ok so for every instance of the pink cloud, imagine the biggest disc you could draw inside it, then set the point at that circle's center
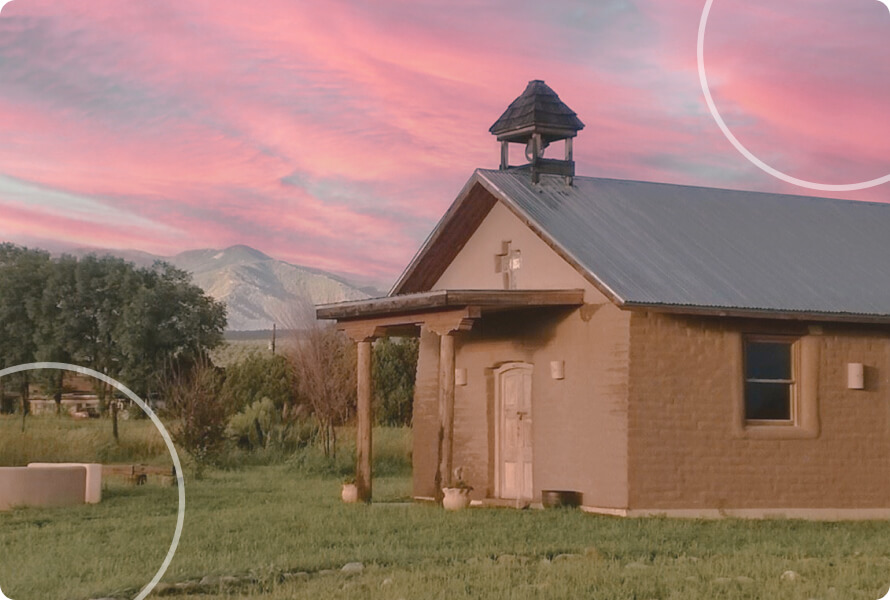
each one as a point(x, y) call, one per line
point(335, 134)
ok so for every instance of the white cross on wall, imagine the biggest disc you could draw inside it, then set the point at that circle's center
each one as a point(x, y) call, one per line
point(508, 262)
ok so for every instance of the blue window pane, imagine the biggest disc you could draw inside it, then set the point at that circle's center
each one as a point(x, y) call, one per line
point(767, 360)
point(768, 401)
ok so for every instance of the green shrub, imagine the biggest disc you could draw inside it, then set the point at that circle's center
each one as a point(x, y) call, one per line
point(395, 366)
point(258, 377)
point(391, 455)
point(250, 427)
point(262, 425)
point(192, 396)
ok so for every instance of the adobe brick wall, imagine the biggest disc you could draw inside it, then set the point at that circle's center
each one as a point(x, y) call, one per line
point(686, 447)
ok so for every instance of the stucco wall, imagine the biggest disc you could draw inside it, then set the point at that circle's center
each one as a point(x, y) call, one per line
point(425, 423)
point(688, 448)
point(579, 423)
point(57, 486)
point(474, 268)
point(93, 494)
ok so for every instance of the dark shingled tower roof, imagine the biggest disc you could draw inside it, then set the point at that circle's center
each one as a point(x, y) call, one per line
point(538, 107)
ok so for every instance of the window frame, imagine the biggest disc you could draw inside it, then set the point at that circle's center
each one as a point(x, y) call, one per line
point(793, 383)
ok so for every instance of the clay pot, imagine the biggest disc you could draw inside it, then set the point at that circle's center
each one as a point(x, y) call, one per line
point(455, 498)
point(349, 493)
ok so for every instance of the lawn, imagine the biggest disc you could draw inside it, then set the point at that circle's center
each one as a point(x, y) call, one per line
point(283, 534)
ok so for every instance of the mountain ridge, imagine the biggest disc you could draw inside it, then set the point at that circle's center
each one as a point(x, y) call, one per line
point(258, 290)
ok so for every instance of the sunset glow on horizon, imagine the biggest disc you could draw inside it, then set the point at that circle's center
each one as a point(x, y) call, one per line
point(335, 134)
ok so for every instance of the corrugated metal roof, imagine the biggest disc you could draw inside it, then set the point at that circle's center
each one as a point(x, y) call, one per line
point(682, 246)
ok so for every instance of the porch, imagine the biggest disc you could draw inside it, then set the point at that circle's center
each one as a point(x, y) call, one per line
point(445, 313)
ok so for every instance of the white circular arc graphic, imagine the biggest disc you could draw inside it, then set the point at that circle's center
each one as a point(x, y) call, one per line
point(825, 187)
point(180, 518)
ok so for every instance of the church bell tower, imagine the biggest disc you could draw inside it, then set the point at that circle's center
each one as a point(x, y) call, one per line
point(538, 118)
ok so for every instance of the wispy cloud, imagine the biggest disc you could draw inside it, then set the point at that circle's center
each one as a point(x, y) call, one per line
point(336, 133)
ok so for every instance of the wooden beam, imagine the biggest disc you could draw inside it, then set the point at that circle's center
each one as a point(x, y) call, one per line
point(363, 422)
point(440, 321)
point(399, 306)
point(445, 323)
point(447, 239)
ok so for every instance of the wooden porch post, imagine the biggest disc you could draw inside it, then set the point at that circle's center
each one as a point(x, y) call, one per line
point(445, 324)
point(363, 421)
point(446, 406)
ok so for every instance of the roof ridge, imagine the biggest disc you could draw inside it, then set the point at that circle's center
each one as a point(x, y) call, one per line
point(512, 171)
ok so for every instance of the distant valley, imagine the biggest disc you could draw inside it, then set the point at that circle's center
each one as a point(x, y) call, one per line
point(258, 290)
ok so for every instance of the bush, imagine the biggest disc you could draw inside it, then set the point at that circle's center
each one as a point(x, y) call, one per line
point(395, 368)
point(251, 427)
point(258, 377)
point(192, 396)
point(262, 425)
point(324, 366)
point(391, 455)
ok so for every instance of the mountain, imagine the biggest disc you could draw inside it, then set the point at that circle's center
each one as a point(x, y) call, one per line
point(258, 290)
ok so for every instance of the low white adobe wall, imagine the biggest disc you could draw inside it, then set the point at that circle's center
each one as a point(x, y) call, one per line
point(52, 487)
point(93, 493)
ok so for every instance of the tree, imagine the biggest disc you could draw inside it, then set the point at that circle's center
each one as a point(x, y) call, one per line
point(55, 334)
point(395, 367)
point(167, 317)
point(22, 276)
point(104, 285)
point(102, 313)
point(324, 366)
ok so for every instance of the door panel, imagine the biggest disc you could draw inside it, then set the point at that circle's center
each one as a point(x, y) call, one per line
point(514, 459)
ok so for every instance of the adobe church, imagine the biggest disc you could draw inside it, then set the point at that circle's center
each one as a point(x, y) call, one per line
point(661, 349)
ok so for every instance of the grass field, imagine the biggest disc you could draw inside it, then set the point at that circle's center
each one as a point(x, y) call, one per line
point(283, 533)
point(48, 438)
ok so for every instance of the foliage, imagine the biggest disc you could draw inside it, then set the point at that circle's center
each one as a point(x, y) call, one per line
point(165, 317)
point(324, 367)
point(103, 313)
point(23, 275)
point(192, 396)
point(391, 455)
point(251, 427)
point(395, 367)
point(257, 377)
point(262, 425)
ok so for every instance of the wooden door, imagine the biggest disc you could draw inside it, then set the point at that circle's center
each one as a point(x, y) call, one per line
point(514, 431)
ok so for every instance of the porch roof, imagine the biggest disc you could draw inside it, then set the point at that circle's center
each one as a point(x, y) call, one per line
point(440, 310)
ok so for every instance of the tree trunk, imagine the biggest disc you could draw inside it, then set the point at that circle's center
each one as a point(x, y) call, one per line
point(261, 439)
point(114, 420)
point(26, 400)
point(58, 394)
point(102, 405)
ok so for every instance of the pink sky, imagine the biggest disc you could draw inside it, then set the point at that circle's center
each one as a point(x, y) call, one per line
point(335, 134)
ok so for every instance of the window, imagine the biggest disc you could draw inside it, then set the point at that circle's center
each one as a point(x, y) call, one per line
point(770, 388)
